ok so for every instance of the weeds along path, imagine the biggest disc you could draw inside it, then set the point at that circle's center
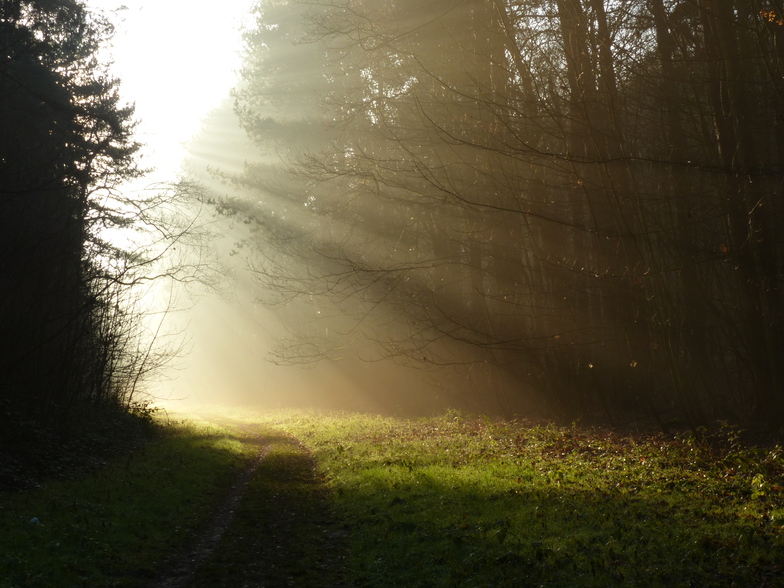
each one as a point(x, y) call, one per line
point(273, 528)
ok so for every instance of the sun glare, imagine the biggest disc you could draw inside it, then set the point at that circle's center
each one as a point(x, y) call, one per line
point(177, 60)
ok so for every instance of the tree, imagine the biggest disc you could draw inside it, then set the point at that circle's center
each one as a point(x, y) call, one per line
point(70, 340)
point(577, 192)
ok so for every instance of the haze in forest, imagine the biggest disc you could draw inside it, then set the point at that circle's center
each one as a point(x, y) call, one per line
point(552, 207)
point(560, 207)
point(231, 336)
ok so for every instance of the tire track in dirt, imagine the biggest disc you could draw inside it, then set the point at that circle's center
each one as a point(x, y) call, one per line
point(180, 571)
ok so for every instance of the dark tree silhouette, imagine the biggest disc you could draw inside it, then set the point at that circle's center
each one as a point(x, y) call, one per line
point(65, 139)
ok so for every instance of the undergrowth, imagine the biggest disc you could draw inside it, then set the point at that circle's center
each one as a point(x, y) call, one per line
point(32, 451)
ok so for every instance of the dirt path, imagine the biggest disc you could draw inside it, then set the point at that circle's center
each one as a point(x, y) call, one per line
point(274, 528)
point(180, 571)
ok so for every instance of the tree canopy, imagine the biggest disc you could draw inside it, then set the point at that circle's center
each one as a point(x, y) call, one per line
point(575, 199)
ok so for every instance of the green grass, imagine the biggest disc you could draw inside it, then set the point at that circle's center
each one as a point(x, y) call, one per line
point(468, 502)
point(114, 526)
point(361, 500)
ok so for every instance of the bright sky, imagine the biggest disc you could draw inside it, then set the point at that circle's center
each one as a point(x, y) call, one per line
point(177, 60)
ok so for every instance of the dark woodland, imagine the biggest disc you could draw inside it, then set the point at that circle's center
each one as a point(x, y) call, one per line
point(576, 202)
point(68, 338)
point(572, 205)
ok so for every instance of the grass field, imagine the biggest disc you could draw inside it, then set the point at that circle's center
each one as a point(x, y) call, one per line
point(457, 501)
point(116, 526)
point(363, 500)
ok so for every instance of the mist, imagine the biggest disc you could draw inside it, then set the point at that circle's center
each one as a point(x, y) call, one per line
point(231, 340)
point(228, 359)
point(438, 204)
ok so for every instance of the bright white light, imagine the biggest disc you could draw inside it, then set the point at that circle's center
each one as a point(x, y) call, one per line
point(177, 60)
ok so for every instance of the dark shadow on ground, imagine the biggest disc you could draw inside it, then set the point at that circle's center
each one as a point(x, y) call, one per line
point(284, 532)
point(557, 537)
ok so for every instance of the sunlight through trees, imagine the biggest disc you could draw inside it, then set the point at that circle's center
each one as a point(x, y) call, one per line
point(76, 333)
point(574, 199)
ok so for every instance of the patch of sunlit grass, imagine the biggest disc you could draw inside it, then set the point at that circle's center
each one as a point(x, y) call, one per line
point(111, 527)
point(457, 501)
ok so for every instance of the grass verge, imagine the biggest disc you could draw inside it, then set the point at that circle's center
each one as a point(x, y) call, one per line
point(111, 527)
point(465, 502)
